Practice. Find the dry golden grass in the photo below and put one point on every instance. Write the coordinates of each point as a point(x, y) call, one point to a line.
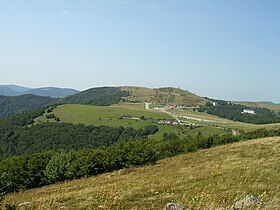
point(166, 95)
point(207, 179)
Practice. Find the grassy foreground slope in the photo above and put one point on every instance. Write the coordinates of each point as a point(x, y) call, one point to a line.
point(207, 179)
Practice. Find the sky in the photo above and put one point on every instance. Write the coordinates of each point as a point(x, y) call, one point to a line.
point(215, 48)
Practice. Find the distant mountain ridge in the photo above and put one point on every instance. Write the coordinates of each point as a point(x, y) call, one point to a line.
point(54, 92)
point(269, 103)
point(6, 91)
point(12, 90)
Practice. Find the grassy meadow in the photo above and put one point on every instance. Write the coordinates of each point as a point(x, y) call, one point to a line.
point(206, 179)
point(105, 115)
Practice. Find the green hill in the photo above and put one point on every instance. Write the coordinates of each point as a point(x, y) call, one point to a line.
point(100, 96)
point(105, 96)
point(207, 179)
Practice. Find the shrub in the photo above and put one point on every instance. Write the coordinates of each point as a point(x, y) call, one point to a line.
point(57, 168)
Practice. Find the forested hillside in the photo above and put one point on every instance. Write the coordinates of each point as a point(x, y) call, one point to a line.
point(63, 136)
point(10, 105)
point(235, 112)
point(101, 96)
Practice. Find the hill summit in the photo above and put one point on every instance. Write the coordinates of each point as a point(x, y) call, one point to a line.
point(162, 96)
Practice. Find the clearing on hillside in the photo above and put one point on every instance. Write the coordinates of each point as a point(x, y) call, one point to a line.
point(128, 116)
point(207, 179)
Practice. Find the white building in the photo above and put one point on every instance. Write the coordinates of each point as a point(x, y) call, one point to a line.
point(248, 111)
point(147, 105)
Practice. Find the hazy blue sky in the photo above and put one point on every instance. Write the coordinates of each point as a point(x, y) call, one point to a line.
point(224, 48)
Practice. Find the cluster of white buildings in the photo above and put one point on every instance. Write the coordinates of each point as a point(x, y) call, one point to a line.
point(167, 107)
point(169, 122)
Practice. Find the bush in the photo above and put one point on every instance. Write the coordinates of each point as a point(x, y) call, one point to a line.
point(57, 168)
point(50, 116)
